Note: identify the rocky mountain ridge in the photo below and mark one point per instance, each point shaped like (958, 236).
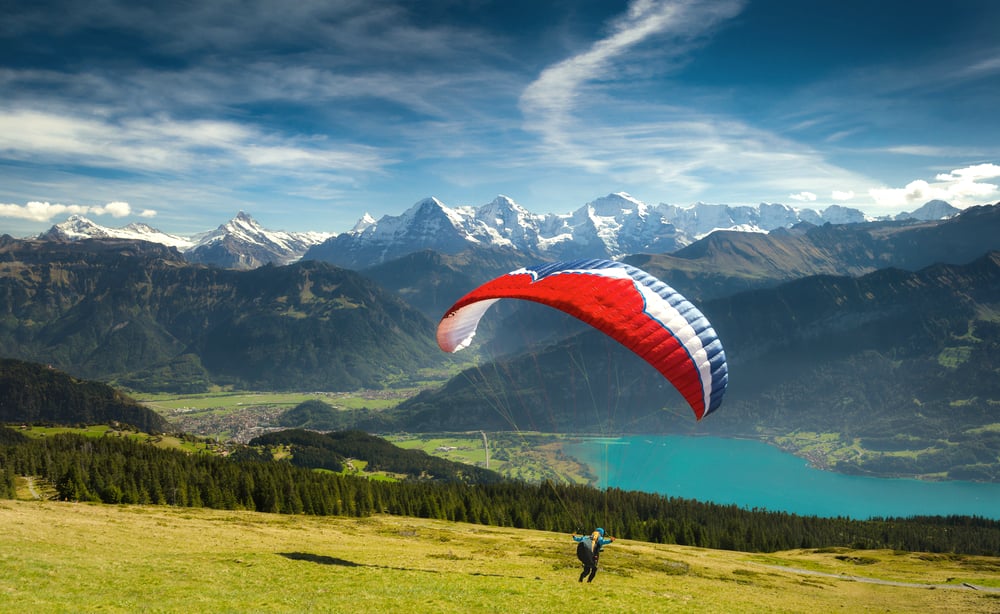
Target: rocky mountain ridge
(612, 227)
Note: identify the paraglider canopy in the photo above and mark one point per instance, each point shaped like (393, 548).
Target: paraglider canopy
(638, 310)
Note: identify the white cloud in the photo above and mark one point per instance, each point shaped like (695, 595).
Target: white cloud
(971, 173)
(43, 212)
(803, 196)
(842, 195)
(961, 187)
(115, 209)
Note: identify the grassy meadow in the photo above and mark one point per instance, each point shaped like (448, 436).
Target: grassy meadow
(73, 557)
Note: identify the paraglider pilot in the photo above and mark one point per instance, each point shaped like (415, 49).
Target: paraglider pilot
(588, 550)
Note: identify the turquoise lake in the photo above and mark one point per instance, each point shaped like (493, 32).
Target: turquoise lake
(753, 474)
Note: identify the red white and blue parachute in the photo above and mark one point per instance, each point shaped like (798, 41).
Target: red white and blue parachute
(636, 309)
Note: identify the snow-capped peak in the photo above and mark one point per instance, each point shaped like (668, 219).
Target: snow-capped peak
(365, 221)
(617, 204)
(243, 243)
(611, 226)
(77, 227)
(839, 214)
(931, 210)
(242, 227)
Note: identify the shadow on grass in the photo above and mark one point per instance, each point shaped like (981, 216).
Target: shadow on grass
(321, 559)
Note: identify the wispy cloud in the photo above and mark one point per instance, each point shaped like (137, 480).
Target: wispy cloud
(941, 151)
(162, 143)
(551, 100)
(576, 111)
(985, 66)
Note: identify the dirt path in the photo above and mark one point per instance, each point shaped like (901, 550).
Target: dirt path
(31, 487)
(810, 572)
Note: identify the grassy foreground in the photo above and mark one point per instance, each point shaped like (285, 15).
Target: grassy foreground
(69, 557)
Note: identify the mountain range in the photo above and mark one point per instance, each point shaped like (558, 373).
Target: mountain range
(882, 332)
(240, 243)
(610, 227)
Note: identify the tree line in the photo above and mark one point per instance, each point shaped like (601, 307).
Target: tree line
(124, 471)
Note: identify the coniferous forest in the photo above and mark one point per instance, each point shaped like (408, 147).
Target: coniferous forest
(123, 471)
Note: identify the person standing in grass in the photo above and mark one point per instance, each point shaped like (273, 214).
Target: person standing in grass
(588, 550)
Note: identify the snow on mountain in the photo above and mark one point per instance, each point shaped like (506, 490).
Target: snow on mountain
(243, 228)
(838, 214)
(931, 210)
(609, 227)
(242, 243)
(702, 219)
(77, 227)
(428, 224)
(618, 224)
(365, 221)
(508, 223)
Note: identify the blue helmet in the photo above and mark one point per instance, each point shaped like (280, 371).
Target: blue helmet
(601, 531)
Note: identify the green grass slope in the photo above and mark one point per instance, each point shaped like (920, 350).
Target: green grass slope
(65, 557)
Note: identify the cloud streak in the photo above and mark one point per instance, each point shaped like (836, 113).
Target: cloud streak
(673, 147)
(162, 143)
(551, 100)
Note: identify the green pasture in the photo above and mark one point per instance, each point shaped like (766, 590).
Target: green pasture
(74, 557)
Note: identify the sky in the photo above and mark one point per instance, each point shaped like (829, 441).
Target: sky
(309, 114)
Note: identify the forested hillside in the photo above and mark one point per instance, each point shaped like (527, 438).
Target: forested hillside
(333, 449)
(31, 393)
(139, 314)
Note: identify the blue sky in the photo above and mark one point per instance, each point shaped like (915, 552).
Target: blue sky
(308, 114)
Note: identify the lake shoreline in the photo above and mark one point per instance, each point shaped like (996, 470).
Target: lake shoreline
(754, 473)
(817, 460)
